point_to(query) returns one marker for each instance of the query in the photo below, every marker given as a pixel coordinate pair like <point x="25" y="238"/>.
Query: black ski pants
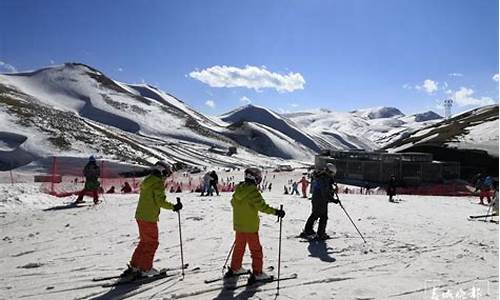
<point x="321" y="226"/>
<point x="319" y="211"/>
<point x="213" y="184"/>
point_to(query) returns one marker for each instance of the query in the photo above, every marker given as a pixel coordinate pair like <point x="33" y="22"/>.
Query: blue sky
<point x="285" y="55"/>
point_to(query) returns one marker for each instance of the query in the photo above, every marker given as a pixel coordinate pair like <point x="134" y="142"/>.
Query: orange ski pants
<point x="148" y="243"/>
<point x="241" y="240"/>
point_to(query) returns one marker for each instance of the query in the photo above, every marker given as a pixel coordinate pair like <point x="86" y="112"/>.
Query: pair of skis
<point x="248" y="283"/>
<point x="483" y="218"/>
<point x="118" y="280"/>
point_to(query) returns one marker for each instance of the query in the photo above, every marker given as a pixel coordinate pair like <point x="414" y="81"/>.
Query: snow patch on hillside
<point x="482" y="137"/>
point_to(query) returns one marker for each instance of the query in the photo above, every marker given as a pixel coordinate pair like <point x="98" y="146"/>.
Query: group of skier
<point x="246" y="201"/>
<point x="209" y="184"/>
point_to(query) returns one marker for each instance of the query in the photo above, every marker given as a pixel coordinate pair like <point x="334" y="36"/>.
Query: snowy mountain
<point x="378" y="112"/>
<point x="369" y="129"/>
<point x="268" y="118"/>
<point x="75" y="110"/>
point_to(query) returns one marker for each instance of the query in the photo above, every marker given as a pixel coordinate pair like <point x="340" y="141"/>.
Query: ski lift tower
<point x="448" y="103"/>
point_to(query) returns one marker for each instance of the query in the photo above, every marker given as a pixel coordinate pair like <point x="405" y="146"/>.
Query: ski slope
<point x="413" y="246"/>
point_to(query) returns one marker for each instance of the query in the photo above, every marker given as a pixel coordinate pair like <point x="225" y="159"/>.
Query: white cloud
<point x="251" y="77"/>
<point x="429" y="86"/>
<point x="210" y="103"/>
<point x="5" y="67"/>
<point x="495" y="77"/>
<point x="120" y="69"/>
<point x="456" y="74"/>
<point x="464" y="97"/>
<point x="52" y="62"/>
<point x="407" y="86"/>
<point x="294" y="105"/>
<point x="245" y="100"/>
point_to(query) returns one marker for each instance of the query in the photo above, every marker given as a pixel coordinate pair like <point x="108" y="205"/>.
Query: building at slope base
<point x="365" y="168"/>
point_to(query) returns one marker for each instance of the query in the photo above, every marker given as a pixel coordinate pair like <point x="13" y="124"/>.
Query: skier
<point x="304" y="184"/>
<point x="91" y="173"/>
<point x="285" y="190"/>
<point x="294" y="188"/>
<point x="213" y="182"/>
<point x="391" y="188"/>
<point x="323" y="193"/>
<point x="151" y="199"/>
<point x="205" y="184"/>
<point x="246" y="203"/>
<point x="484" y="186"/>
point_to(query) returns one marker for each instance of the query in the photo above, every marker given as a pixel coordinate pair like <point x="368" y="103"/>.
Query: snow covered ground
<point x="413" y="246"/>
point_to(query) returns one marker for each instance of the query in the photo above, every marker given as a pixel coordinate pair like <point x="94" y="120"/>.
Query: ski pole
<point x="340" y="203"/>
<point x="227" y="258"/>
<point x="279" y="253"/>
<point x="180" y="238"/>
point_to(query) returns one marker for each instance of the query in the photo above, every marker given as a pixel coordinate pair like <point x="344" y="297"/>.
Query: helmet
<point x="163" y="167"/>
<point x="254" y="175"/>
<point x="92" y="158"/>
<point x="331" y="168"/>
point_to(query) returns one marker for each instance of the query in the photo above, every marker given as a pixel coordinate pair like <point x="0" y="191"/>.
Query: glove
<point x="280" y="213"/>
<point x="334" y="199"/>
<point x="177" y="206"/>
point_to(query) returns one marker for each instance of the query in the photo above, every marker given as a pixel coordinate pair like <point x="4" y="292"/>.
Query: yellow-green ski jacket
<point x="247" y="202"/>
<point x="152" y="197"/>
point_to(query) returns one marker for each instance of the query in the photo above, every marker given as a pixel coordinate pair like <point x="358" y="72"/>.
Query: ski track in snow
<point x="54" y="254"/>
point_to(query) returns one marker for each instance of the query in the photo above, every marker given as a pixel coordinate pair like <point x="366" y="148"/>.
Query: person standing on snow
<point x="91" y="173"/>
<point x="323" y="192"/>
<point x="205" y="184"/>
<point x="484" y="186"/>
<point x="247" y="201"/>
<point x="151" y="199"/>
<point x="304" y="184"/>
<point x="294" y="188"/>
<point x="213" y="182"/>
<point x="391" y="188"/>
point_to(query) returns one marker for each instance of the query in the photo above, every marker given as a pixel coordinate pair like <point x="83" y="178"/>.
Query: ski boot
<point x="230" y="273"/>
<point x="261" y="277"/>
<point x="323" y="236"/>
<point x="130" y="272"/>
<point x="150" y="273"/>
<point x="307" y="234"/>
